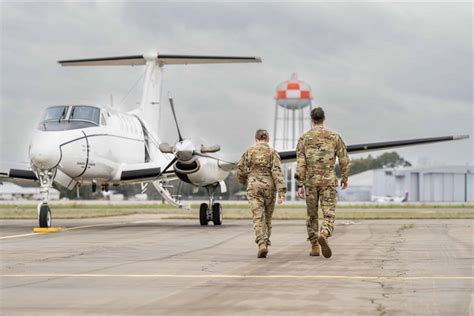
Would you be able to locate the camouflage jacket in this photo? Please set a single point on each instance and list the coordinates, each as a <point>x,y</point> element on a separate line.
<point>316,154</point>
<point>261,161</point>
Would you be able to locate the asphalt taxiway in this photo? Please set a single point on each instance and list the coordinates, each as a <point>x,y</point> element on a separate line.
<point>148,265</point>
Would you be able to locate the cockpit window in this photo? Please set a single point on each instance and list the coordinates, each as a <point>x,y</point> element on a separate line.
<point>57,118</point>
<point>55,113</point>
<point>85,113</point>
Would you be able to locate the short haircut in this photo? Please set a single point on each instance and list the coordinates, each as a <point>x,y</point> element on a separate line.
<point>317,115</point>
<point>262,134</point>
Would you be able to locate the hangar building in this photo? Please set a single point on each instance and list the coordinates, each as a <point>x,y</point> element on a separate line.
<point>12,191</point>
<point>430,184</point>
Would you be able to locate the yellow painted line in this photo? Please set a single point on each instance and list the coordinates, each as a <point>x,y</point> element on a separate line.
<point>46,230</point>
<point>243,276</point>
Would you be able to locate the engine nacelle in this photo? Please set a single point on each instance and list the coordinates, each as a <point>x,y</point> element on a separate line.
<point>187,167</point>
<point>201,172</point>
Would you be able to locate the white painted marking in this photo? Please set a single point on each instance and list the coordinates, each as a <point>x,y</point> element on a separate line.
<point>147,221</point>
<point>238,276</point>
<point>64,230</point>
<point>18,236</point>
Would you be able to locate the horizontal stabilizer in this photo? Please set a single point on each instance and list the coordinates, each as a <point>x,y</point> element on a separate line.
<point>290,155</point>
<point>196,59</point>
<point>163,59</point>
<point>106,61</point>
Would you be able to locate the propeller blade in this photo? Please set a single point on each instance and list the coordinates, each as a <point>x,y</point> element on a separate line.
<point>169,165</point>
<point>174,116</point>
<point>211,157</point>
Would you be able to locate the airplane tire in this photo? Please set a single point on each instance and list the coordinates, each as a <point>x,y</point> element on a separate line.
<point>45,219</point>
<point>217,214</point>
<point>203,214</point>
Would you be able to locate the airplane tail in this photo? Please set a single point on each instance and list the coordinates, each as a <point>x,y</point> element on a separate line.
<point>149,107</point>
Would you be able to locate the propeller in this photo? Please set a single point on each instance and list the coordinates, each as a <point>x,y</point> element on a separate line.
<point>174,116</point>
<point>184,150</point>
<point>169,165</point>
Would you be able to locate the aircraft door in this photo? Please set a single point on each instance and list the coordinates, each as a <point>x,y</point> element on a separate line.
<point>75,155</point>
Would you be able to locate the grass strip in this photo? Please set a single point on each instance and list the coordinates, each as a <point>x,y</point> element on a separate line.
<point>242,213</point>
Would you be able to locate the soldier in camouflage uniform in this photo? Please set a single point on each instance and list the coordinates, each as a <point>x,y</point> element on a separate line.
<point>316,154</point>
<point>259,170</point>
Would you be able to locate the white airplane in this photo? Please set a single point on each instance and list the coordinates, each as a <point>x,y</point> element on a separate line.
<point>390,199</point>
<point>93,144</point>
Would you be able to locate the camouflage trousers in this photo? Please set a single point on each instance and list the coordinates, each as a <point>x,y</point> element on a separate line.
<point>327,197</point>
<point>262,205</point>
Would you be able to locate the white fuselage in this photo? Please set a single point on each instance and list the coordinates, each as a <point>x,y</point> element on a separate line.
<point>99,152</point>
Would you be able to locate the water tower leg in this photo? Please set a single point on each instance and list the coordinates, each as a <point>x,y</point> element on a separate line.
<point>285,129</point>
<point>293,182</point>
<point>275,125</point>
<point>293,146</point>
<point>294,138</point>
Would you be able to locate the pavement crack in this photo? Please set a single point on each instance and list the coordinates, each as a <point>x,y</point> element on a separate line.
<point>170,256</point>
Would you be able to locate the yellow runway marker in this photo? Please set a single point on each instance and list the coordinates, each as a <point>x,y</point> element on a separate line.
<point>236,276</point>
<point>45,230</point>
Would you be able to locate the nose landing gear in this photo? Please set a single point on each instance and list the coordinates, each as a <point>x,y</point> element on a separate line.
<point>44,215</point>
<point>212,211</point>
<point>44,212</point>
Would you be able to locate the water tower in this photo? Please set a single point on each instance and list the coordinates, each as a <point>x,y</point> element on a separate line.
<point>293,97</point>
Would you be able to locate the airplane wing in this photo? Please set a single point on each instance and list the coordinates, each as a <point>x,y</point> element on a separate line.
<point>290,155</point>
<point>144,172</point>
<point>17,171</point>
<point>163,59</point>
<point>128,173</point>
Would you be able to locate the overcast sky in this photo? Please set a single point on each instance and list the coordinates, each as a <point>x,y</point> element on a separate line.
<point>382,71</point>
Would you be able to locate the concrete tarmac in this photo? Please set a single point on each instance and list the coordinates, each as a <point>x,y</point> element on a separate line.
<point>149,265</point>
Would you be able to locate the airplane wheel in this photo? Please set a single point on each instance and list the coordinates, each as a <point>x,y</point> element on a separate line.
<point>217,214</point>
<point>203,214</point>
<point>45,216</point>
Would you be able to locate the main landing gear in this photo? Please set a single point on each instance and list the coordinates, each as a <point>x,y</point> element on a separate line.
<point>44,212</point>
<point>212,211</point>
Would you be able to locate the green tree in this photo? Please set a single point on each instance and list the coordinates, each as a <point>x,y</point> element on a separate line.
<point>386,160</point>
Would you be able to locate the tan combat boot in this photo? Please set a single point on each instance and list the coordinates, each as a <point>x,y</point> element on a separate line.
<point>323,241</point>
<point>315,250</point>
<point>262,250</point>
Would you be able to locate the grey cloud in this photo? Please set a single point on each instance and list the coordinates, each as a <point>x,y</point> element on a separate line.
<point>383,71</point>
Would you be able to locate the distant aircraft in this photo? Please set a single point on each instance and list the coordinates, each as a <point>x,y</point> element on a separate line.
<point>93,144</point>
<point>394,199</point>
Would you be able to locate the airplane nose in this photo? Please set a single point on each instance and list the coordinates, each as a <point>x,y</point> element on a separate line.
<point>45,155</point>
